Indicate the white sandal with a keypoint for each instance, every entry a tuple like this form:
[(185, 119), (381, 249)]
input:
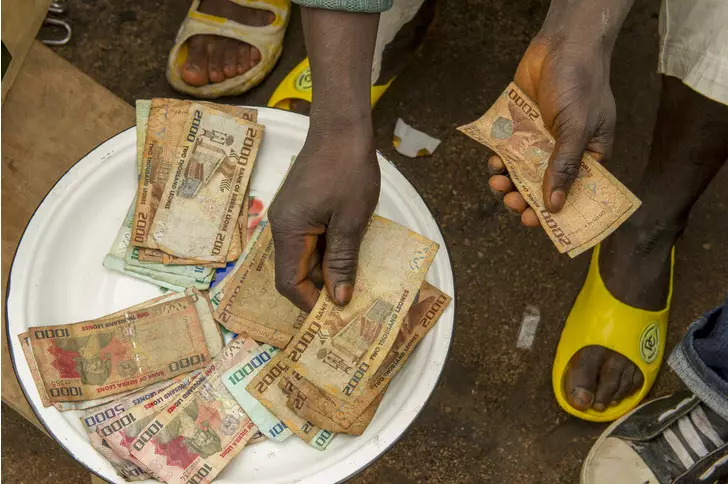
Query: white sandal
[(267, 39)]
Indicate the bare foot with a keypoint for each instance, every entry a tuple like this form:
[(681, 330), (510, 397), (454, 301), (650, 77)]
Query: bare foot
[(635, 265), (212, 58)]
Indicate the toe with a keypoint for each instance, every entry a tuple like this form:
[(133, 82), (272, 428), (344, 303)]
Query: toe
[(230, 58), (637, 380), (501, 184), (243, 57), (254, 57), (194, 70), (495, 165), (215, 64), (529, 218), (515, 203), (625, 385), (610, 377), (580, 380)]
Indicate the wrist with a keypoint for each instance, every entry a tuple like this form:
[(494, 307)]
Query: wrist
[(588, 26), (345, 121)]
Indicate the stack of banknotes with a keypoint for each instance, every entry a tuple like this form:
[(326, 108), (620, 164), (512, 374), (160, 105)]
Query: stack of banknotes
[(160, 394), (192, 211)]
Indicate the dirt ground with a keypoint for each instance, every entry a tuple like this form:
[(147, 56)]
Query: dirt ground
[(493, 417)]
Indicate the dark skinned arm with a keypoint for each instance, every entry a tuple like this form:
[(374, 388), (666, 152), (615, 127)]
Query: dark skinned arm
[(320, 214)]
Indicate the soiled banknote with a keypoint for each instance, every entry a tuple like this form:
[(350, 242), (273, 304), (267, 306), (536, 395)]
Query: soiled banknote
[(323, 410), (597, 202), (218, 292), (102, 414), (45, 399), (117, 353), (306, 408), (123, 258), (202, 430), (339, 349), (142, 117), (165, 131), (252, 305), (202, 201), (265, 388), (120, 431), (235, 380)]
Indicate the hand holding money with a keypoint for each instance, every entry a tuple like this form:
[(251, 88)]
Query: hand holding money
[(597, 204), (330, 194)]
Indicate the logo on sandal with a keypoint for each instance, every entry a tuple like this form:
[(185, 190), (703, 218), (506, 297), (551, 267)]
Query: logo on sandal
[(303, 81), (650, 342)]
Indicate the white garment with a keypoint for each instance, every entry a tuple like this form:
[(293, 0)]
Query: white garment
[(694, 45)]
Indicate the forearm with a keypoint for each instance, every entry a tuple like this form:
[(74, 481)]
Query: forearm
[(340, 46), (590, 23)]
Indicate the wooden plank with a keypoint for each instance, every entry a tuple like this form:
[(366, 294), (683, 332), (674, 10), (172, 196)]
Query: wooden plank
[(53, 116), (21, 20)]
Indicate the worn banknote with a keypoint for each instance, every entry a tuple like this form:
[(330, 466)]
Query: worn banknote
[(117, 353), (123, 257), (143, 106), (202, 200), (265, 388), (165, 120), (306, 408), (45, 399), (200, 431), (339, 349), (252, 305), (103, 414), (122, 429), (597, 202), (162, 109), (235, 380), (321, 409)]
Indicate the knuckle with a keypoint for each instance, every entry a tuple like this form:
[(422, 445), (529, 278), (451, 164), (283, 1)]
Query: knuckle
[(341, 262), (284, 287), (566, 169)]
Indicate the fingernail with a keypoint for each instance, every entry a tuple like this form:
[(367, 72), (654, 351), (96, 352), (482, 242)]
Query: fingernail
[(613, 403), (582, 396), (513, 211), (599, 407), (343, 292), (558, 197)]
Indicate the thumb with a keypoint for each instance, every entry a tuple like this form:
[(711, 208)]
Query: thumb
[(343, 239), (563, 169)]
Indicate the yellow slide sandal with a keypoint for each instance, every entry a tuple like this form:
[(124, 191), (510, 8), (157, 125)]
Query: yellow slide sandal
[(297, 85), (598, 318), (267, 39)]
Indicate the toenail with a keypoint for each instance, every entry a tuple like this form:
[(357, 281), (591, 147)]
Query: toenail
[(599, 407), (583, 396)]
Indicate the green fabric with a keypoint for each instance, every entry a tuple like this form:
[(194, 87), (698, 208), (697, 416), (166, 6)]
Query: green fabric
[(361, 6)]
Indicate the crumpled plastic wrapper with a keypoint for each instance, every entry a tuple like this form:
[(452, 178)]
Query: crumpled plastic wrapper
[(411, 142)]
